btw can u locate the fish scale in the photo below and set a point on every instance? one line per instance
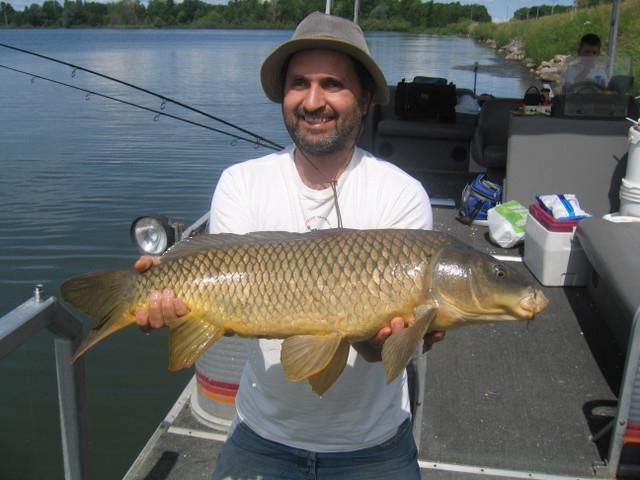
(254, 285)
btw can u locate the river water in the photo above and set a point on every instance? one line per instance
(76, 169)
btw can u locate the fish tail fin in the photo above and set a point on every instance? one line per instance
(100, 296)
(398, 349)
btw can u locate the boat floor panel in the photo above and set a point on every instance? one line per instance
(522, 396)
(181, 448)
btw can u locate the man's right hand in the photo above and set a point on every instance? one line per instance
(163, 306)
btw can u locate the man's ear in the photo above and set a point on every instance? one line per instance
(367, 99)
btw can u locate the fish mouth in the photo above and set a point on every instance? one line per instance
(534, 303)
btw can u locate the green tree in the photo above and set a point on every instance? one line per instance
(189, 10)
(51, 13)
(161, 13)
(32, 15)
(126, 12)
(7, 14)
(96, 13)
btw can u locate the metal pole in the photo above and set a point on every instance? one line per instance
(613, 36)
(327, 7)
(356, 9)
(72, 400)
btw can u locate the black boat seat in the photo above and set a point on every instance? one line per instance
(489, 146)
(444, 131)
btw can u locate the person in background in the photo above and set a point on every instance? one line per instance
(326, 81)
(587, 67)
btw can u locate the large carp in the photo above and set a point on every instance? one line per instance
(320, 291)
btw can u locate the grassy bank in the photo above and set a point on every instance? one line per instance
(547, 36)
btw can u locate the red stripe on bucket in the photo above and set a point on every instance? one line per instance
(632, 434)
(219, 391)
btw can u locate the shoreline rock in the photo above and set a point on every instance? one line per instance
(550, 71)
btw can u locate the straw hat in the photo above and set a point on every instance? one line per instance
(321, 31)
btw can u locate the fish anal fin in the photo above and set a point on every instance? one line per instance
(189, 337)
(398, 349)
(321, 381)
(305, 355)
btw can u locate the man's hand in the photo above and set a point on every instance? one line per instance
(396, 325)
(163, 307)
(371, 350)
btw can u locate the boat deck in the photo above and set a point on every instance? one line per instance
(517, 400)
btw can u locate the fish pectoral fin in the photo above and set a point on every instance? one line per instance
(305, 355)
(189, 337)
(321, 381)
(398, 349)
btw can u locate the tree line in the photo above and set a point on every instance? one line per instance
(374, 14)
(527, 13)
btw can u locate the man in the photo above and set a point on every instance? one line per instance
(326, 81)
(587, 67)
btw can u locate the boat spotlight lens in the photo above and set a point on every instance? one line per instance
(152, 234)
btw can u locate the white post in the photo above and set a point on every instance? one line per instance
(356, 9)
(327, 7)
(613, 36)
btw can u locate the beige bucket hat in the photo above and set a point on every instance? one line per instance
(316, 31)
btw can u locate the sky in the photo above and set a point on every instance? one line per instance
(499, 10)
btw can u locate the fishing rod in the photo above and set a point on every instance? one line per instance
(157, 112)
(260, 140)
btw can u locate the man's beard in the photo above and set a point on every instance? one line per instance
(343, 136)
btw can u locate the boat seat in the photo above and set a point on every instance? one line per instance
(444, 131)
(418, 145)
(489, 145)
(612, 250)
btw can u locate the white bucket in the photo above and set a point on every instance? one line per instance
(218, 373)
(629, 187)
(629, 199)
(633, 158)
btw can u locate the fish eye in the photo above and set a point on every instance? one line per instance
(500, 271)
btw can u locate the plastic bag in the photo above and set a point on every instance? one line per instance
(562, 207)
(507, 223)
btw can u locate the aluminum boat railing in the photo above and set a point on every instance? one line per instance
(16, 328)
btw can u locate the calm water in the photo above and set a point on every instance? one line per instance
(75, 171)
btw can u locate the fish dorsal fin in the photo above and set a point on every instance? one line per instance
(305, 355)
(193, 245)
(398, 349)
(321, 381)
(189, 337)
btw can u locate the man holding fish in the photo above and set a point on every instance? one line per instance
(336, 312)
(326, 81)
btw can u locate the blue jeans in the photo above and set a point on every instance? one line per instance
(247, 456)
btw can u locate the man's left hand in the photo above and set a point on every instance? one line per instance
(396, 325)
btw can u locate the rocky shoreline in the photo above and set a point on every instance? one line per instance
(550, 71)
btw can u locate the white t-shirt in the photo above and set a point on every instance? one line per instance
(360, 410)
(596, 71)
